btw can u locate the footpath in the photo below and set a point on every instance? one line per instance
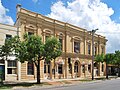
(51, 83)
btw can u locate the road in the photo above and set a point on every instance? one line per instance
(101, 85)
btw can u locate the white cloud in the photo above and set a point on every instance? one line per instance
(35, 1)
(89, 14)
(3, 17)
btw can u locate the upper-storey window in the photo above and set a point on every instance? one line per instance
(95, 50)
(76, 46)
(8, 36)
(102, 49)
(89, 49)
(61, 42)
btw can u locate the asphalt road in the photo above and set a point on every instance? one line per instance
(101, 85)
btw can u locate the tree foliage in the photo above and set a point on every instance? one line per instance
(6, 49)
(32, 49)
(100, 58)
(52, 48)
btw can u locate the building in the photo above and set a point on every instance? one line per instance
(76, 58)
(9, 68)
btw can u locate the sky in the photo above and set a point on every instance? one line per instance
(87, 14)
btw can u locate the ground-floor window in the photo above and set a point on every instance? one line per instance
(89, 68)
(76, 67)
(102, 67)
(83, 68)
(30, 68)
(60, 71)
(45, 68)
(11, 70)
(12, 67)
(70, 65)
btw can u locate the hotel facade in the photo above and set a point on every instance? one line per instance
(76, 58)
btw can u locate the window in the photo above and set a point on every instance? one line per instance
(45, 67)
(8, 36)
(12, 67)
(89, 68)
(95, 50)
(102, 49)
(30, 33)
(30, 68)
(48, 66)
(61, 42)
(12, 63)
(76, 67)
(83, 68)
(70, 65)
(76, 47)
(89, 48)
(11, 70)
(60, 68)
(102, 67)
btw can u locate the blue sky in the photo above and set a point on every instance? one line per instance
(88, 14)
(43, 7)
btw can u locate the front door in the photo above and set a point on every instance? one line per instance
(2, 72)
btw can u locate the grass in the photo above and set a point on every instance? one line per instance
(10, 86)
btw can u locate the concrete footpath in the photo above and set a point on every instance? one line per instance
(54, 83)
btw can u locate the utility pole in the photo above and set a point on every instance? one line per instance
(93, 32)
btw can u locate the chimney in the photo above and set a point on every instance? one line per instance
(18, 7)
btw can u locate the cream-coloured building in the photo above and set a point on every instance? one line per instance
(9, 67)
(76, 58)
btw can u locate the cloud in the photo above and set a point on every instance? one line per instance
(3, 17)
(35, 1)
(89, 14)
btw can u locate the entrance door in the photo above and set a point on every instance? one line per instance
(2, 71)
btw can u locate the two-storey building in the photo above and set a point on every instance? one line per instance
(76, 58)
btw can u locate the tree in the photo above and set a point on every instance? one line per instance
(116, 61)
(52, 49)
(99, 58)
(6, 49)
(108, 58)
(31, 50)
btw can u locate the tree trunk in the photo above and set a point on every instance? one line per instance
(54, 68)
(38, 72)
(106, 71)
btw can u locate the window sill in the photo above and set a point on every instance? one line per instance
(30, 75)
(12, 74)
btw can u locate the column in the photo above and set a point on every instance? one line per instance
(51, 70)
(22, 29)
(19, 70)
(66, 68)
(73, 70)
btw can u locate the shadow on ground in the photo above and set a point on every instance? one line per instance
(23, 84)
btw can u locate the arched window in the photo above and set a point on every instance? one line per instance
(76, 67)
(70, 65)
(76, 46)
(60, 69)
